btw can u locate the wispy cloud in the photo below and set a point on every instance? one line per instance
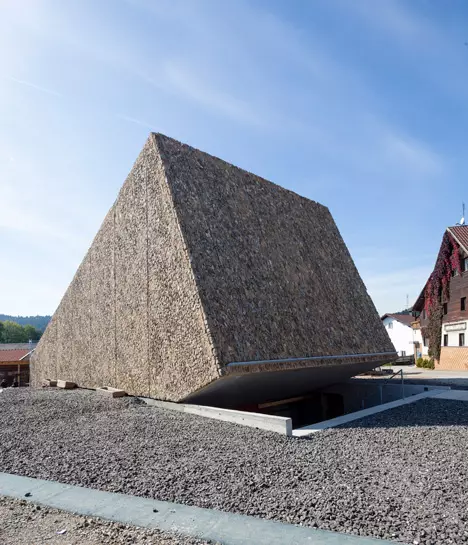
(237, 70)
(34, 86)
(419, 160)
(420, 39)
(135, 121)
(179, 79)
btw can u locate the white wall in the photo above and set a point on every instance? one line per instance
(453, 335)
(402, 336)
(417, 337)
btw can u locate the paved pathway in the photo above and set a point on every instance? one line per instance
(454, 395)
(209, 524)
(416, 375)
(417, 372)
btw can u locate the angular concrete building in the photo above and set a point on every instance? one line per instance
(206, 283)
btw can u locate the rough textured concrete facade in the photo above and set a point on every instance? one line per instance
(199, 265)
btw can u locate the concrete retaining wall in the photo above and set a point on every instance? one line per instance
(278, 424)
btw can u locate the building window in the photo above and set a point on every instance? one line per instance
(445, 308)
(461, 339)
(454, 272)
(424, 341)
(403, 353)
(463, 303)
(464, 264)
(445, 340)
(424, 314)
(390, 325)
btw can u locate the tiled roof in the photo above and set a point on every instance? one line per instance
(13, 355)
(460, 232)
(405, 319)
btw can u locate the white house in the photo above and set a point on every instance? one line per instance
(404, 338)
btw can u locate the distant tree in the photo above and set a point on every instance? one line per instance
(13, 333)
(32, 333)
(404, 311)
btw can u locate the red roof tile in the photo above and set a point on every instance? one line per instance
(460, 233)
(12, 355)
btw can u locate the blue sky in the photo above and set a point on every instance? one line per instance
(360, 105)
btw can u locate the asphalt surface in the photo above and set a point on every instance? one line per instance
(25, 523)
(401, 474)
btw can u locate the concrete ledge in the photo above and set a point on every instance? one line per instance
(340, 420)
(208, 524)
(278, 424)
(454, 395)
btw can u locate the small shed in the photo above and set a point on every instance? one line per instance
(14, 362)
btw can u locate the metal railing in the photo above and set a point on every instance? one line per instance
(384, 383)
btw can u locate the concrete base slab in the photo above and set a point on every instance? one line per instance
(208, 524)
(278, 424)
(345, 419)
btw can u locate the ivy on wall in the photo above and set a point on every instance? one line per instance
(438, 290)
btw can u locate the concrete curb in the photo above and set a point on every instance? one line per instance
(453, 395)
(278, 424)
(340, 420)
(209, 524)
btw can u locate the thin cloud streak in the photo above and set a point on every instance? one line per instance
(236, 77)
(135, 121)
(34, 86)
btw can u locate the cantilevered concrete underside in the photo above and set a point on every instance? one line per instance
(199, 272)
(241, 388)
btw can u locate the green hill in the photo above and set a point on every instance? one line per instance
(39, 322)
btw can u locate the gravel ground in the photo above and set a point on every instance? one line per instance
(22, 522)
(400, 475)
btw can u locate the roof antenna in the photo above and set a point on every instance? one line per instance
(462, 221)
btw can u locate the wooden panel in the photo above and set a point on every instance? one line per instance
(458, 289)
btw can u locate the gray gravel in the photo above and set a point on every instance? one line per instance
(22, 522)
(400, 475)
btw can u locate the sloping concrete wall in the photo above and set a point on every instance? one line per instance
(132, 317)
(131, 277)
(182, 357)
(197, 265)
(103, 351)
(274, 274)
